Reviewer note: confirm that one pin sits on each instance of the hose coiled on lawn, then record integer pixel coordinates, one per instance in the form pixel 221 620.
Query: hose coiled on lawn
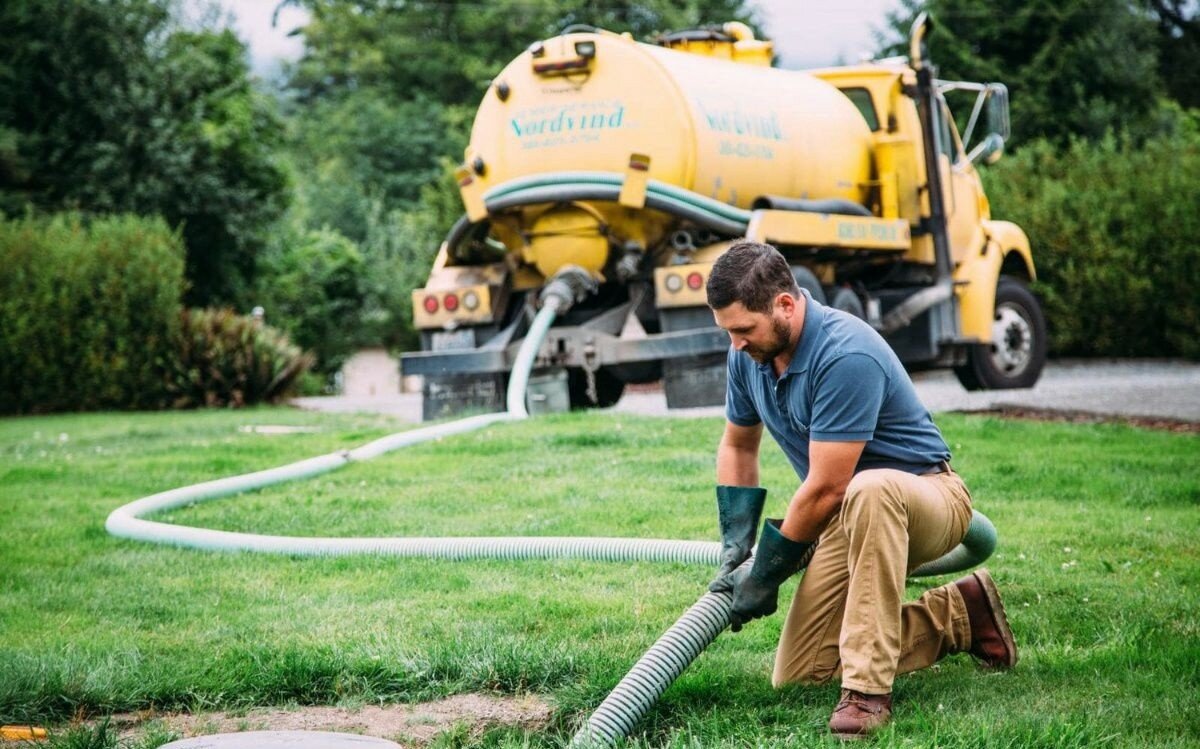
pixel 651 675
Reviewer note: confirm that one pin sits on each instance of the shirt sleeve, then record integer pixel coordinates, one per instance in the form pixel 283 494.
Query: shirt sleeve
pixel 847 398
pixel 739 406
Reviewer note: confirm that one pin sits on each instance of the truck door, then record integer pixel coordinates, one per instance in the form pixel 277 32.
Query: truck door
pixel 963 190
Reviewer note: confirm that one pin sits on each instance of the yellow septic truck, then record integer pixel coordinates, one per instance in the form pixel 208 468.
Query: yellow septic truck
pixel 627 168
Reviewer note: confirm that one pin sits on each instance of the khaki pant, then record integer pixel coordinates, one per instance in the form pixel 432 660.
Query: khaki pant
pixel 848 616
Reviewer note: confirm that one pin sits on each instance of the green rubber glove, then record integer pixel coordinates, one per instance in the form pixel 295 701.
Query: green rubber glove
pixel 756 591
pixel 738 511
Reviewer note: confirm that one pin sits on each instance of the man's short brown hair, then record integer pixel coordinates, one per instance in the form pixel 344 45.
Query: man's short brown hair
pixel 751 273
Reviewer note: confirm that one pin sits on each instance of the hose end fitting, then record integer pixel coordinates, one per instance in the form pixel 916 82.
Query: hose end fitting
pixel 569 286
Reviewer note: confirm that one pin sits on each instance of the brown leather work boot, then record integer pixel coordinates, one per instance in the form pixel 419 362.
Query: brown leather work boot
pixel 858 714
pixel 991 638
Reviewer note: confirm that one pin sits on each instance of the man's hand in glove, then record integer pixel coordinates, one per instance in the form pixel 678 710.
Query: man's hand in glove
pixel 738 511
pixel 756 591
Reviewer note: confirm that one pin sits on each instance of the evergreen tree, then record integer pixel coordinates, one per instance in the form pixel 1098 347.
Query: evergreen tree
pixel 1073 67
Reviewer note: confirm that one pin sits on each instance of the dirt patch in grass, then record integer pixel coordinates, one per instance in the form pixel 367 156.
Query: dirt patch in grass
pixel 408 725
pixel 1086 417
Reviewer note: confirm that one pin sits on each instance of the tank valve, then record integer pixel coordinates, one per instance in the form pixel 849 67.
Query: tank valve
pixel 569 286
pixel 631 262
pixel 682 241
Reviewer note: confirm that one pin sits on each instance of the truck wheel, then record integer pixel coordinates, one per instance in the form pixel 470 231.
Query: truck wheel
pixel 1017 353
pixel 808 281
pixel 846 300
pixel 608 388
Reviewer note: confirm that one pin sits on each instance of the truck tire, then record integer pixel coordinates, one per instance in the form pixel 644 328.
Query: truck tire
pixel 1017 353
pixel 808 281
pixel 846 300
pixel 608 388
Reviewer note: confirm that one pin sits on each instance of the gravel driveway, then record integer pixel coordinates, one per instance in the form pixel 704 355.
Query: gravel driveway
pixel 1127 388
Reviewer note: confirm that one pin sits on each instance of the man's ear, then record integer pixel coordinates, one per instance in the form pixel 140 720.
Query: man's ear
pixel 785 303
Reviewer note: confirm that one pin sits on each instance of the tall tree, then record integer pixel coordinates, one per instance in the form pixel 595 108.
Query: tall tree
pixel 105 105
pixel 1074 67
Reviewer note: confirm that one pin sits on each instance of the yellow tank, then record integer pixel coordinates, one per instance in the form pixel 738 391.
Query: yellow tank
pixel 727 130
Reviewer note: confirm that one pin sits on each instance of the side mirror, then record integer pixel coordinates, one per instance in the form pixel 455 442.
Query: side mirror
pixel 997 109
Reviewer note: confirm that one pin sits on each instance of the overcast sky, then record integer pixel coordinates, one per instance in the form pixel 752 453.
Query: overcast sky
pixel 807 33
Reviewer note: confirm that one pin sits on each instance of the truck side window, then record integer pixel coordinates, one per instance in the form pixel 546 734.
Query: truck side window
pixel 866 107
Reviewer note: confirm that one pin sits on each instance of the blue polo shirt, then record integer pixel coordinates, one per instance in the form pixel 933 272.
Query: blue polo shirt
pixel 844 384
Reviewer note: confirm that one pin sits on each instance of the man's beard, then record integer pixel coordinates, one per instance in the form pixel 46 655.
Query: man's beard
pixel 780 340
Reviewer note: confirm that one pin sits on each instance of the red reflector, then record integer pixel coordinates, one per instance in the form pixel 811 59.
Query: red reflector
pixel 451 302
pixel 431 304
pixel 695 281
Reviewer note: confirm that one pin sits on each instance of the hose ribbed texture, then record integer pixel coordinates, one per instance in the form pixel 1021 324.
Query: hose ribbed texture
pixel 126 521
pixel 670 655
pixel 650 676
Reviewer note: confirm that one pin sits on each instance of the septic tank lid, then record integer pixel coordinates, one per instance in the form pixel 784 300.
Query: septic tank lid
pixel 283 740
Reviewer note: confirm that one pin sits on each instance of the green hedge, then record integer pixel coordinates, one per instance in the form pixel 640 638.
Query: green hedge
pixel 1115 230
pixel 89 312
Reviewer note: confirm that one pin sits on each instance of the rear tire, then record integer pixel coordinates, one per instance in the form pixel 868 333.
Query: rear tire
pixel 1017 353
pixel 847 301
pixel 808 281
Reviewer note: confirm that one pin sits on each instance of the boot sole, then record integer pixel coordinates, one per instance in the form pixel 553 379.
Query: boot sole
pixel 999 618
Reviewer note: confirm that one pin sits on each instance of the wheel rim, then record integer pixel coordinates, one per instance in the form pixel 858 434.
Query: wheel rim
pixel 1012 340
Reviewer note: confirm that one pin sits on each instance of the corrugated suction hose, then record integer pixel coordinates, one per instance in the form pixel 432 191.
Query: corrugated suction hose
pixel 652 674
pixel 672 653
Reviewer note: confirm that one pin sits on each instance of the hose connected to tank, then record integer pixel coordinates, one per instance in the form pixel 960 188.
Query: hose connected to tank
pixel 654 672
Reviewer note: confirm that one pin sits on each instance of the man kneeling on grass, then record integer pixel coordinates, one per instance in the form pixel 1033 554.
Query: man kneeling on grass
pixel 878 497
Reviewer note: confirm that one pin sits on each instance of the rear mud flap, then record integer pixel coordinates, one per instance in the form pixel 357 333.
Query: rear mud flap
pixel 695 381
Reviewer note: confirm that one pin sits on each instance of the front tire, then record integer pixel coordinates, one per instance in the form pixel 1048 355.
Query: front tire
pixel 1017 353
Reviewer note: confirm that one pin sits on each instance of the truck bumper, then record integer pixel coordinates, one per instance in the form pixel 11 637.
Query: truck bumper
pixel 571 347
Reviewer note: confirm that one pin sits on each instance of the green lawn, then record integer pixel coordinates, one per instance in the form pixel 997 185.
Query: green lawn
pixel 1098 563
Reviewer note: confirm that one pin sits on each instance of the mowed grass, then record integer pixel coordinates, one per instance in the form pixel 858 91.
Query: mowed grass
pixel 1098 564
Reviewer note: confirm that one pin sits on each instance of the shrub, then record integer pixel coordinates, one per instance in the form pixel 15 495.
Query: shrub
pixel 226 359
pixel 312 286
pixel 1114 229
pixel 89 311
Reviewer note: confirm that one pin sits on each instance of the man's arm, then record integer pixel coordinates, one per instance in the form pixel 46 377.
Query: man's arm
pixel 831 467
pixel 737 455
